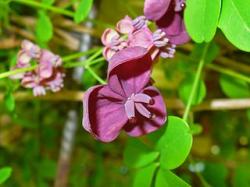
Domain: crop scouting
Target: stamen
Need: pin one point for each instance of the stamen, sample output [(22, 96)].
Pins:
[(142, 110), (143, 98), (130, 108), (139, 22)]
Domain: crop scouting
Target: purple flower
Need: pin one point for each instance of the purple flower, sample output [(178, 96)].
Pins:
[(168, 15), (128, 102)]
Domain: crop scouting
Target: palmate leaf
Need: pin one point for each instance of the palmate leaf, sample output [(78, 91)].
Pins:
[(144, 176), (235, 22), (82, 10), (166, 178), (201, 19), (175, 144), (137, 155)]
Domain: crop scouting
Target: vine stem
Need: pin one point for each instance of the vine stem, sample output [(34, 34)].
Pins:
[(228, 72), (36, 4), (195, 84), (16, 71)]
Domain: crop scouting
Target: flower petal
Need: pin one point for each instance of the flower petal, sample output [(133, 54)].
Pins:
[(125, 25), (104, 113), (155, 9), (172, 24), (129, 70), (158, 109), (141, 38), (108, 35)]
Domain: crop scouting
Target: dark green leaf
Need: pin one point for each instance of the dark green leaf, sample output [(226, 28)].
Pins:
[(186, 87), (166, 178), (44, 27), (5, 173), (137, 155), (175, 144), (144, 176), (235, 22), (201, 19), (82, 10), (233, 87)]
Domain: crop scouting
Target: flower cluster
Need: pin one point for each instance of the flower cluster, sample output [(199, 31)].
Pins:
[(128, 101), (48, 74)]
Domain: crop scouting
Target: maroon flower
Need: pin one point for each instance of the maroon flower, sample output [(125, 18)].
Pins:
[(168, 15), (128, 102)]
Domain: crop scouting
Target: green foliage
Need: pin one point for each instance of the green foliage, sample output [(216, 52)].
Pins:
[(201, 18), (144, 155), (143, 177), (216, 174), (185, 89), (82, 10), (235, 22), (48, 2), (196, 129), (5, 173), (9, 101), (166, 178), (234, 88), (44, 27), (242, 176), (177, 134)]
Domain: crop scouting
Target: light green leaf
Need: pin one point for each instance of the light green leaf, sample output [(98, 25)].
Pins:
[(235, 22), (186, 87), (166, 178), (144, 176), (82, 10), (5, 173), (175, 144), (201, 19), (242, 176), (9, 101), (137, 155), (234, 88), (44, 27)]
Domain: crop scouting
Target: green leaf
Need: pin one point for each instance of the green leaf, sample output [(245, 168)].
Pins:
[(212, 52), (201, 19), (44, 27), (137, 155), (82, 10), (144, 176), (5, 173), (166, 178), (186, 87), (235, 22), (175, 144), (234, 88), (47, 169), (9, 101), (196, 129)]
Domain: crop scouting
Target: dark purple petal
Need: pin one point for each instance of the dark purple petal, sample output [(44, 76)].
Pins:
[(144, 125), (172, 24), (104, 113), (155, 9), (129, 70)]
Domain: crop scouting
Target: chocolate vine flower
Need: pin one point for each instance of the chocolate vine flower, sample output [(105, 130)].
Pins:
[(47, 76), (127, 102), (168, 15)]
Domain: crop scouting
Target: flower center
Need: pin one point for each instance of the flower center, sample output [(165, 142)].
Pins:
[(138, 102)]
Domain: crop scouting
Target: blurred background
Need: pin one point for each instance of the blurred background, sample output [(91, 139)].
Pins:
[(42, 138)]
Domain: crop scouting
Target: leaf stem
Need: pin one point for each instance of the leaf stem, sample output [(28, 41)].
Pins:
[(195, 84), (228, 72), (82, 63), (36, 4), (99, 79), (16, 71)]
